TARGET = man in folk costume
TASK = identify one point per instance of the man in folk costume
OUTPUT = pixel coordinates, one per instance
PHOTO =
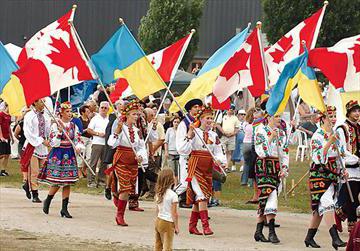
(349, 133)
(271, 165)
(192, 107)
(324, 174)
(36, 131)
(125, 164)
(200, 167)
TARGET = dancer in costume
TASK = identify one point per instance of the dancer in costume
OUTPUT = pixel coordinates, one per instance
(36, 131)
(125, 163)
(324, 174)
(192, 107)
(60, 169)
(349, 133)
(200, 167)
(271, 165)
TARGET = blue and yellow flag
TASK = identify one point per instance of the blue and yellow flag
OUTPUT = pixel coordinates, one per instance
(122, 55)
(202, 86)
(296, 72)
(7, 66)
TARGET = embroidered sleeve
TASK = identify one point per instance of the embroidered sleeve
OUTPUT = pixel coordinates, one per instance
(77, 138)
(284, 152)
(55, 136)
(262, 147)
(183, 144)
(317, 148)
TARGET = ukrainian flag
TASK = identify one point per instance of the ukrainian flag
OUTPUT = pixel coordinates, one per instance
(123, 56)
(296, 72)
(11, 90)
(202, 86)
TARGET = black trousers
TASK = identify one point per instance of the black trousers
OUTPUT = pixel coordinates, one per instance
(344, 200)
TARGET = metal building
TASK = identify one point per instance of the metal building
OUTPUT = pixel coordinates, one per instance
(96, 20)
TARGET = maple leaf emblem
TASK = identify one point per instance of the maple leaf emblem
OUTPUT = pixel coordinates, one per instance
(153, 61)
(285, 44)
(235, 64)
(356, 56)
(68, 57)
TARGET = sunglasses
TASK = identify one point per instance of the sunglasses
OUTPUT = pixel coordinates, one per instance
(104, 107)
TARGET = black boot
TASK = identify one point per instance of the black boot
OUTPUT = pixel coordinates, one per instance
(272, 235)
(336, 241)
(47, 202)
(309, 240)
(26, 188)
(258, 236)
(64, 211)
(267, 224)
(108, 193)
(35, 195)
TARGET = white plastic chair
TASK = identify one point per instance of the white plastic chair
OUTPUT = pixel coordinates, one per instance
(303, 145)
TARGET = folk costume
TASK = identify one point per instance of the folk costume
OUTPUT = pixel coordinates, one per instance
(349, 133)
(125, 165)
(200, 169)
(61, 167)
(273, 158)
(36, 130)
(325, 171)
(181, 142)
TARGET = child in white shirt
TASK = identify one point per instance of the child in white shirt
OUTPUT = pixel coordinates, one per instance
(167, 216)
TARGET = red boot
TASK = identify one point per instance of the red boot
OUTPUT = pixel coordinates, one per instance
(193, 222)
(116, 201)
(120, 213)
(205, 222)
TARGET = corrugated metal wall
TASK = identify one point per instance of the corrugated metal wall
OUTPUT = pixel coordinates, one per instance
(96, 20)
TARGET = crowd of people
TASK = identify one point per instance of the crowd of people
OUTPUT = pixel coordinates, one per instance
(137, 150)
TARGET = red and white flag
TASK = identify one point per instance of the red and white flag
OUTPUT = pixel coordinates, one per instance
(340, 63)
(165, 61)
(244, 69)
(52, 60)
(290, 47)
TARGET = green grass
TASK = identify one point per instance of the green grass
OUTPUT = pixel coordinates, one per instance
(233, 195)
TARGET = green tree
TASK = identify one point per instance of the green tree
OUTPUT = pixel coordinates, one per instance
(341, 19)
(168, 21)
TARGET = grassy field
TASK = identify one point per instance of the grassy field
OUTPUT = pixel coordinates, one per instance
(233, 195)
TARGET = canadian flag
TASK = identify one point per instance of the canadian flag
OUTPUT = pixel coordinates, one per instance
(52, 60)
(340, 63)
(165, 61)
(290, 45)
(244, 69)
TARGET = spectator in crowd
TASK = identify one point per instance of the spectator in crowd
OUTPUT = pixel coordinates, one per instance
(85, 137)
(229, 128)
(96, 128)
(310, 126)
(248, 153)
(237, 156)
(6, 138)
(92, 107)
(171, 155)
(156, 151)
(304, 112)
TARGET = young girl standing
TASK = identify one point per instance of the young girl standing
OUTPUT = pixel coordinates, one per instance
(167, 216)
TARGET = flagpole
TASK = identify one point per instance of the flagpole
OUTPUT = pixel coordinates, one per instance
(67, 137)
(182, 53)
(56, 100)
(101, 83)
(318, 25)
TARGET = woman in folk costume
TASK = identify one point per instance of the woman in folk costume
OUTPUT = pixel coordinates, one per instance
(125, 163)
(60, 169)
(271, 165)
(324, 174)
(200, 167)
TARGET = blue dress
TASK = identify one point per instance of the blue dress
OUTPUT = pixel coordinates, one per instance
(60, 168)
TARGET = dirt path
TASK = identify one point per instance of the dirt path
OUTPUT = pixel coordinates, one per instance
(94, 222)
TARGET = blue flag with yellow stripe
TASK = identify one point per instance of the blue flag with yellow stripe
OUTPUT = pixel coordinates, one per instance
(122, 56)
(296, 73)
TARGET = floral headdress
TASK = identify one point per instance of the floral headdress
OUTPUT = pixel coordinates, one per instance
(204, 110)
(130, 106)
(65, 105)
(330, 110)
